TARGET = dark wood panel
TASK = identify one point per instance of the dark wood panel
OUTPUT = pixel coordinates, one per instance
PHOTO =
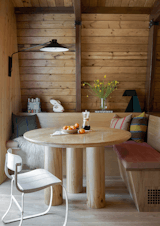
(44, 17)
(115, 17)
(77, 11)
(91, 47)
(115, 32)
(45, 32)
(115, 24)
(118, 77)
(45, 24)
(151, 63)
(114, 55)
(114, 70)
(112, 63)
(46, 55)
(124, 85)
(46, 92)
(43, 70)
(48, 77)
(48, 85)
(116, 10)
(64, 99)
(44, 10)
(115, 40)
(118, 92)
(47, 63)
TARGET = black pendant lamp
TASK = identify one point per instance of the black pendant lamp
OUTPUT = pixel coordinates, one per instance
(54, 46)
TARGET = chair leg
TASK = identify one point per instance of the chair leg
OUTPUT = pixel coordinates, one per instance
(11, 201)
(66, 215)
(36, 215)
(21, 209)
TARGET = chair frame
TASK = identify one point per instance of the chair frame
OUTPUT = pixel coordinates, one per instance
(21, 208)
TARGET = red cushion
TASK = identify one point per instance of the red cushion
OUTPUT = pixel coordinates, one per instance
(138, 155)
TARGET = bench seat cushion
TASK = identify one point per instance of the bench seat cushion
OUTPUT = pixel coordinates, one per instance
(137, 155)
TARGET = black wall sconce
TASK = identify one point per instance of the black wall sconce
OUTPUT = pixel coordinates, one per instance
(133, 105)
(53, 46)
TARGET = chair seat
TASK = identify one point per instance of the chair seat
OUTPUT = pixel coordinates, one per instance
(36, 180)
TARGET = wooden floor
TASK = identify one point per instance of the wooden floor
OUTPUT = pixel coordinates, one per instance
(119, 211)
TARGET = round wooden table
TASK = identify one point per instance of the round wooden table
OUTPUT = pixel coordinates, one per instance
(94, 142)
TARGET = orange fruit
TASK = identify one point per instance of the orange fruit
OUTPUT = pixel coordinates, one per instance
(81, 131)
(69, 128)
(65, 127)
(73, 127)
(77, 125)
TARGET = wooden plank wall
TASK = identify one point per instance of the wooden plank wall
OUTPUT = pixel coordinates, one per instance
(47, 75)
(115, 46)
(9, 86)
(156, 104)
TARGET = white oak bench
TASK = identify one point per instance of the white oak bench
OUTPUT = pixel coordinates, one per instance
(139, 166)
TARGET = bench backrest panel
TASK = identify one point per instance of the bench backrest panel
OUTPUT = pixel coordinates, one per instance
(60, 119)
(153, 134)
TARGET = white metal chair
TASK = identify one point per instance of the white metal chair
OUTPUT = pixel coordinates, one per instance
(32, 181)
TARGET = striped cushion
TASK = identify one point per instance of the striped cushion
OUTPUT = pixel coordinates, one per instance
(121, 123)
(138, 128)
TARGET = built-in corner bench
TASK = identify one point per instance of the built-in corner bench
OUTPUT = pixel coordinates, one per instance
(139, 165)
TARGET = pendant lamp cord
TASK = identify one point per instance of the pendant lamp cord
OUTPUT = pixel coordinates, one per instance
(30, 48)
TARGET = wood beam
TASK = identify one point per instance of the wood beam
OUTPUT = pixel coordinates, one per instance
(151, 63)
(44, 10)
(116, 10)
(77, 11)
(155, 12)
(151, 66)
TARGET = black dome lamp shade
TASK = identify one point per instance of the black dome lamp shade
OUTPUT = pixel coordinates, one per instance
(54, 46)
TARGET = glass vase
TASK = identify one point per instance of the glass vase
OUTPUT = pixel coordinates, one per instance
(103, 101)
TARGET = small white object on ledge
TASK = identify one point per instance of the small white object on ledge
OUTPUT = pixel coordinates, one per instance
(57, 107)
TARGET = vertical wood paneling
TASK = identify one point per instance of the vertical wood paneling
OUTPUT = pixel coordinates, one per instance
(120, 56)
(9, 86)
(156, 101)
(43, 74)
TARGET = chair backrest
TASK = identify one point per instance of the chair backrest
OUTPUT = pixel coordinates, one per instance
(12, 160)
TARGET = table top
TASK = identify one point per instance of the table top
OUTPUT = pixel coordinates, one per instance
(99, 136)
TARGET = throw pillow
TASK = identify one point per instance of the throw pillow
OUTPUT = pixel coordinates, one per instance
(22, 124)
(121, 123)
(138, 128)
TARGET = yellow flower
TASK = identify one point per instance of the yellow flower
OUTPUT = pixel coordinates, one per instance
(101, 83)
(105, 76)
(83, 84)
(87, 95)
(100, 91)
(97, 85)
(109, 83)
(97, 80)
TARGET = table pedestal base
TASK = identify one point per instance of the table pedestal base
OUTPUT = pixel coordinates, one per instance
(53, 163)
(95, 163)
(74, 170)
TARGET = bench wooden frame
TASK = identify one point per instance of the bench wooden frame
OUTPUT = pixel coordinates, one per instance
(144, 184)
